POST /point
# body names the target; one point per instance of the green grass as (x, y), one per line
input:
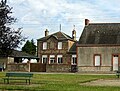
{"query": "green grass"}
(58, 82)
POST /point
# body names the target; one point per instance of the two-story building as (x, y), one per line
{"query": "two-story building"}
(57, 51)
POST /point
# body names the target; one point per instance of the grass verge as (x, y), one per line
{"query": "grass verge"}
(58, 82)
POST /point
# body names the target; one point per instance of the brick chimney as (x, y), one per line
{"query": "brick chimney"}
(46, 32)
(86, 22)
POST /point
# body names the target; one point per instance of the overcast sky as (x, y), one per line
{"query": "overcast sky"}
(37, 15)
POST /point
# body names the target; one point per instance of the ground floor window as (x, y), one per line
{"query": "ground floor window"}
(59, 59)
(97, 60)
(44, 58)
(74, 60)
(52, 59)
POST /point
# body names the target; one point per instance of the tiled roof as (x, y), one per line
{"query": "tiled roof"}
(101, 33)
(58, 35)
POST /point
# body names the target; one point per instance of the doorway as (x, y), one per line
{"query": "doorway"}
(115, 62)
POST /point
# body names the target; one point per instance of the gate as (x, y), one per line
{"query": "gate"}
(37, 67)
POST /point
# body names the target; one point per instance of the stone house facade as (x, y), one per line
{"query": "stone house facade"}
(98, 49)
(57, 51)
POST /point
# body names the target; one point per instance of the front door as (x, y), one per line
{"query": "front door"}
(115, 62)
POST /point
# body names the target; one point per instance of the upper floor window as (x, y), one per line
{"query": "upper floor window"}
(74, 60)
(59, 45)
(44, 45)
(97, 60)
(59, 59)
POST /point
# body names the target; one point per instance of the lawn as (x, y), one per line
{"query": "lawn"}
(58, 82)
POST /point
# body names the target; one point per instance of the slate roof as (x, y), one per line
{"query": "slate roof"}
(16, 53)
(58, 35)
(101, 33)
(73, 48)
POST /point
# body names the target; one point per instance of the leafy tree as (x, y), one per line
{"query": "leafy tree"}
(29, 47)
(9, 38)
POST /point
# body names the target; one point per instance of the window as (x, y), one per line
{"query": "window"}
(44, 45)
(97, 60)
(44, 58)
(74, 60)
(59, 59)
(52, 59)
(59, 45)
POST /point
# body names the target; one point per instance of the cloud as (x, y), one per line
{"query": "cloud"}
(30, 19)
(37, 15)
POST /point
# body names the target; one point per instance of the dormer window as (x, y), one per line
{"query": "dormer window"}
(59, 45)
(44, 45)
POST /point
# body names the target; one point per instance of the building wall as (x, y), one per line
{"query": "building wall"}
(10, 60)
(86, 57)
(52, 49)
(5, 60)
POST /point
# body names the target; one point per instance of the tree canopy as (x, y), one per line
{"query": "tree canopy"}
(29, 47)
(9, 37)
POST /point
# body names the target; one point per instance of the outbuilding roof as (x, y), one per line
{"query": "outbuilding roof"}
(20, 54)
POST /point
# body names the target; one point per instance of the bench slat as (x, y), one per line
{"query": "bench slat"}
(18, 76)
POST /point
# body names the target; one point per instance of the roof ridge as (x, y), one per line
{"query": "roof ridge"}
(104, 23)
(66, 35)
(56, 35)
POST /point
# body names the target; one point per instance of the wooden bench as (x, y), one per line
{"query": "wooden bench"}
(18, 76)
(117, 74)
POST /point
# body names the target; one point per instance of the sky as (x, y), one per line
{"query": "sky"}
(35, 16)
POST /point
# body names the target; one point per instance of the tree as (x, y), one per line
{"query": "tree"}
(9, 38)
(29, 47)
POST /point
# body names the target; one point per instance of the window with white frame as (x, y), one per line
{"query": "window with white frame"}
(44, 45)
(44, 59)
(52, 59)
(97, 60)
(74, 60)
(59, 59)
(59, 45)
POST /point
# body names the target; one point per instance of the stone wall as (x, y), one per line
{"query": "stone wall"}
(58, 68)
(94, 69)
(22, 67)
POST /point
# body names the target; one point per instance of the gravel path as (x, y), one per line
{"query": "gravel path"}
(103, 82)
